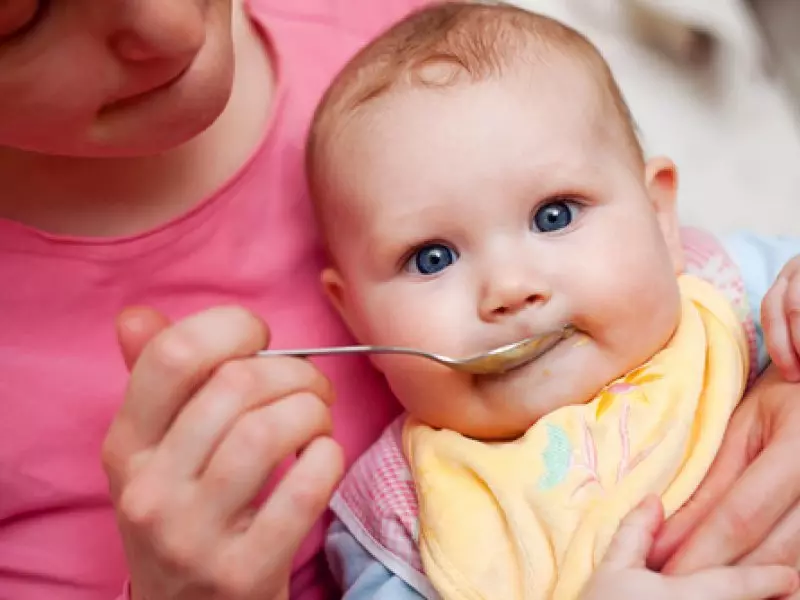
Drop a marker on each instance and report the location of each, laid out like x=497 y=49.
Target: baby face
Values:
x=466 y=218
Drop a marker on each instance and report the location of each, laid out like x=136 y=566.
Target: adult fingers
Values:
x=633 y=539
x=745 y=515
x=283 y=521
x=179 y=359
x=136 y=326
x=731 y=461
x=791 y=308
x=236 y=387
x=777 y=333
x=782 y=545
x=256 y=444
x=740 y=583
x=794 y=596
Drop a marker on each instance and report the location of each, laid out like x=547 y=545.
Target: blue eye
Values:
x=431 y=259
x=554 y=216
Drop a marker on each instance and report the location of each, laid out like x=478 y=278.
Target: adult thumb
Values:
x=634 y=538
x=135 y=328
x=731 y=461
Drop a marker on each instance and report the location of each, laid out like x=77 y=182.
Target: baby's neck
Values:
x=117 y=197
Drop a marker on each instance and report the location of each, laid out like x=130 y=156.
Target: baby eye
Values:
x=555 y=215
x=431 y=259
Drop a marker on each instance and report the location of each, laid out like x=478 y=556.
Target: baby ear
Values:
x=333 y=285
x=336 y=290
x=661 y=181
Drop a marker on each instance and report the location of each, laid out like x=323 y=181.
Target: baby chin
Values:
x=561 y=377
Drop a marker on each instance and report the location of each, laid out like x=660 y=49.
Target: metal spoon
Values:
x=496 y=361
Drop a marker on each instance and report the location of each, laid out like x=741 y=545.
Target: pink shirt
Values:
x=61 y=375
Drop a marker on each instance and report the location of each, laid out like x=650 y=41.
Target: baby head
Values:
x=479 y=180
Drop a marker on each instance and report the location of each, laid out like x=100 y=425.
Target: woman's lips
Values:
x=128 y=100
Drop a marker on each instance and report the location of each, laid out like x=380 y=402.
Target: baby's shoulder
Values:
x=377 y=500
x=707 y=257
x=381 y=478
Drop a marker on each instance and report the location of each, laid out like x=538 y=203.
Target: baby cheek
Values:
x=419 y=316
x=620 y=301
x=397 y=323
x=649 y=310
x=425 y=389
x=599 y=296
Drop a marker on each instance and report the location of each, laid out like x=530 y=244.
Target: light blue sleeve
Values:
x=760 y=260
x=360 y=575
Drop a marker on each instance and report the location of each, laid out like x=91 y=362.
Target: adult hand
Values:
x=622 y=574
x=780 y=317
x=747 y=511
x=203 y=425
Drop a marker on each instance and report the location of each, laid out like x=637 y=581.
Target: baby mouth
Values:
x=518 y=355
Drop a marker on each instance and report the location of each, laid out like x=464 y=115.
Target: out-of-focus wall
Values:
x=728 y=121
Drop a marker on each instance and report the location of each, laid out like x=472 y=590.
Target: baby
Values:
x=479 y=180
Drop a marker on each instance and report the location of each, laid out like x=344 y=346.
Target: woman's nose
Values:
x=147 y=30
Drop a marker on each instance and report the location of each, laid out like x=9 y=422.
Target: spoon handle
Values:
x=334 y=350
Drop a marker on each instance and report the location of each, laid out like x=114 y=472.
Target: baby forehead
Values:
x=557 y=101
x=562 y=94
x=566 y=93
x=516 y=128
x=478 y=135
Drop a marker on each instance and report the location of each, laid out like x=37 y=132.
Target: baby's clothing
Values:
x=542 y=509
x=507 y=520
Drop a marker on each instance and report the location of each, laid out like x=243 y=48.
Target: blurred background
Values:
x=715 y=85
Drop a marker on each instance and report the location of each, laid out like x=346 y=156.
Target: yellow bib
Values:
x=530 y=519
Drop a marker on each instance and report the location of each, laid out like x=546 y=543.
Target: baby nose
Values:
x=508 y=297
x=159 y=30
